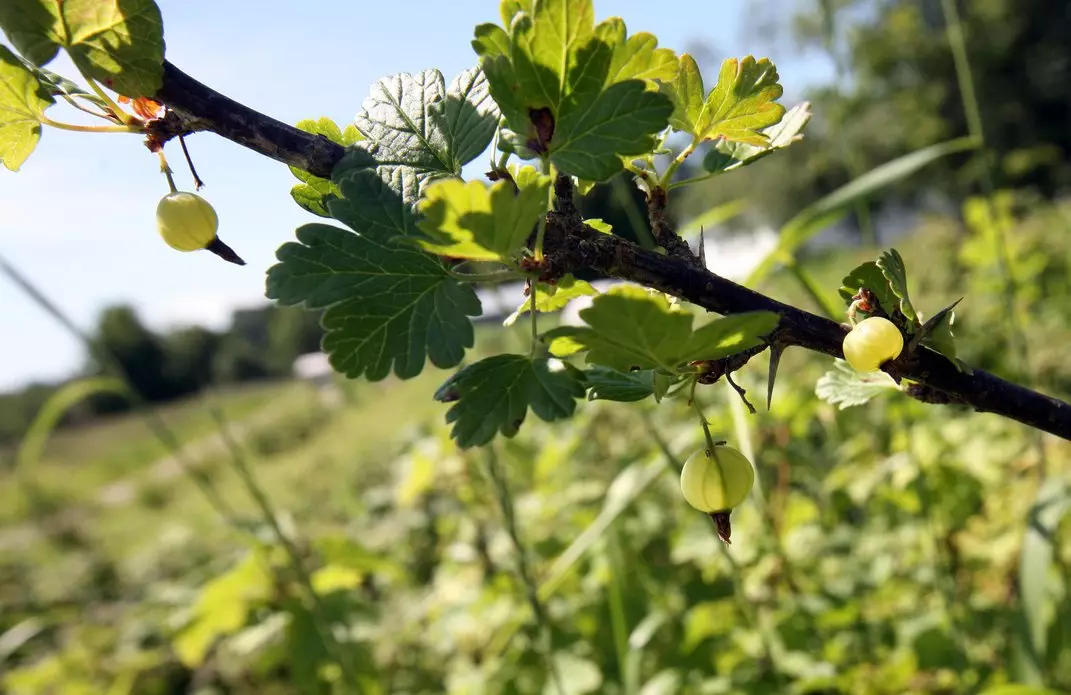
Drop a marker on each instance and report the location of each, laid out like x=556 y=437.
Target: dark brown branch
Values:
x=577 y=246
x=198 y=108
x=570 y=245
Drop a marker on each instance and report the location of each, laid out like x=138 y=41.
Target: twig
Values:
x=571 y=245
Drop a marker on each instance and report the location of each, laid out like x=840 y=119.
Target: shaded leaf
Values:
x=869 y=276
x=892 y=267
x=844 y=387
x=388 y=304
x=494 y=395
x=611 y=385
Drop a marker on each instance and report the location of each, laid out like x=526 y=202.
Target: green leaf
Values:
x=936 y=334
x=477 y=222
x=727 y=155
x=388 y=304
x=611 y=385
x=869 y=276
x=552 y=74
x=23 y=100
x=313 y=192
x=740 y=105
x=60 y=86
x=730 y=335
x=469 y=116
x=599 y=225
x=843 y=386
x=578 y=676
x=222 y=608
x=831 y=208
x=552 y=297
x=494 y=395
x=119 y=43
x=590 y=138
x=637 y=57
x=414 y=123
x=1036 y=562
x=892 y=267
x=629 y=329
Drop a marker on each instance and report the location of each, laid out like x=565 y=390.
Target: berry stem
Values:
x=122 y=115
x=166 y=169
x=45 y=120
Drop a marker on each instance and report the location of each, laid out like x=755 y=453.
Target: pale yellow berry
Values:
x=871 y=343
x=186 y=221
x=717 y=481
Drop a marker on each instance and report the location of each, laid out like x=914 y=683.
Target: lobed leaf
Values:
x=868 y=275
x=579 y=93
x=550 y=298
x=625 y=387
x=495 y=394
x=415 y=125
x=741 y=104
x=844 y=387
x=630 y=329
x=23 y=100
x=477 y=222
x=727 y=155
x=388 y=304
x=119 y=43
x=314 y=192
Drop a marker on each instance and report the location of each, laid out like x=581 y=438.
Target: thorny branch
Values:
x=571 y=245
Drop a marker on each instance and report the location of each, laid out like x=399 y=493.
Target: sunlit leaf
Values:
x=552 y=297
x=23 y=100
x=741 y=104
x=477 y=222
x=630 y=329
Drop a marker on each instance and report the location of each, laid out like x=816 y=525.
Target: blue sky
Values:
x=78 y=219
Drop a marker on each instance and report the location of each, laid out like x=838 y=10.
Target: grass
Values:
x=79 y=461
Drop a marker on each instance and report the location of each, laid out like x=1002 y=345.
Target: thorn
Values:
x=702 y=249
x=775 y=360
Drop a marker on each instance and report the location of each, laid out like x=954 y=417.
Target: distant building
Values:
x=316 y=369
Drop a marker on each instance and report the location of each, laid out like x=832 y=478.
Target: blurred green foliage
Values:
x=882 y=552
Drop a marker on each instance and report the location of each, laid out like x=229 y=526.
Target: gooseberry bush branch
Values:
x=404 y=237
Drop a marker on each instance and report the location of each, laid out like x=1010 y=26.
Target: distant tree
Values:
x=190 y=353
x=138 y=351
x=292 y=332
